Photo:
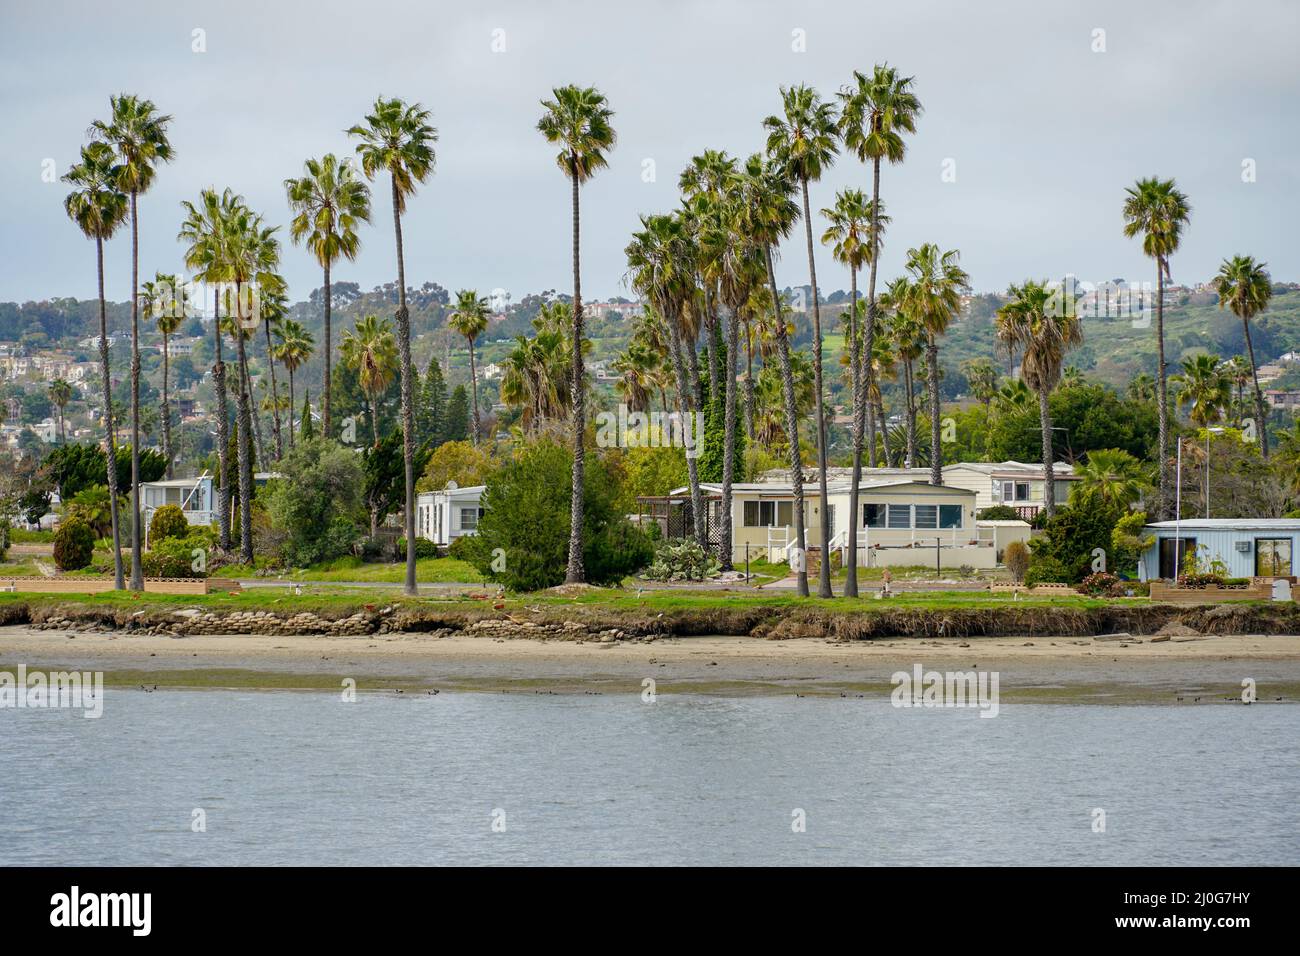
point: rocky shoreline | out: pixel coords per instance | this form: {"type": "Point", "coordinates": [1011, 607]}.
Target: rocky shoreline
{"type": "Point", "coordinates": [592, 622]}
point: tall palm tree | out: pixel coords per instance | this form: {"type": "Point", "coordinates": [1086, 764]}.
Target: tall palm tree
{"type": "Point", "coordinates": [875, 112]}
{"type": "Point", "coordinates": [983, 379]}
{"type": "Point", "coordinates": [1205, 388]}
{"type": "Point", "coordinates": [1044, 334]}
{"type": "Point", "coordinates": [767, 215]}
{"type": "Point", "coordinates": [848, 232]}
{"type": "Point", "coordinates": [470, 319]}
{"type": "Point", "coordinates": [274, 307]}
{"type": "Point", "coordinates": [1244, 287]}
{"type": "Point", "coordinates": [804, 139]}
{"type": "Point", "coordinates": [635, 367]}
{"type": "Point", "coordinates": [99, 207]}
{"type": "Point", "coordinates": [295, 348]}
{"type": "Point", "coordinates": [329, 203]}
{"type": "Point", "coordinates": [370, 350]}
{"type": "Point", "coordinates": [205, 229]}
{"type": "Point", "coordinates": [662, 269]}
{"type": "Point", "coordinates": [907, 338]}
{"type": "Point", "coordinates": [1240, 370]}
{"type": "Point", "coordinates": [164, 302]}
{"type": "Point", "coordinates": [936, 286]}
{"type": "Point", "coordinates": [398, 138]}
{"type": "Point", "coordinates": [60, 392]}
{"type": "Point", "coordinates": [253, 254]}
{"type": "Point", "coordinates": [1142, 388]}
{"type": "Point", "coordinates": [137, 132]}
{"type": "Point", "coordinates": [882, 364]}
{"type": "Point", "coordinates": [703, 185]}
{"type": "Point", "coordinates": [1157, 210]}
{"type": "Point", "coordinates": [578, 121]}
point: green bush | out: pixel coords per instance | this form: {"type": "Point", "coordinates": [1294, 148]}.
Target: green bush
{"type": "Point", "coordinates": [74, 545]}
{"type": "Point", "coordinates": [682, 561]}
{"type": "Point", "coordinates": [424, 548]}
{"type": "Point", "coordinates": [526, 523]}
{"type": "Point", "coordinates": [174, 558]}
{"type": "Point", "coordinates": [167, 522]}
{"type": "Point", "coordinates": [316, 509]}
{"type": "Point", "coordinates": [1046, 570]}
{"type": "Point", "coordinates": [997, 513]}
{"type": "Point", "coordinates": [1071, 537]}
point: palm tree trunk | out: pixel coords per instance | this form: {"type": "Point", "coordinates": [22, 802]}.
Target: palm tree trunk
{"type": "Point", "coordinates": [137, 572]}
{"type": "Point", "coordinates": [1049, 472]}
{"type": "Point", "coordinates": [473, 388]}
{"type": "Point", "coordinates": [936, 448]}
{"type": "Point", "coordinates": [275, 395]}
{"type": "Point", "coordinates": [799, 563]}
{"type": "Point", "coordinates": [291, 408]}
{"type": "Point", "coordinates": [729, 439]}
{"type": "Point", "coordinates": [884, 431]}
{"type": "Point", "coordinates": [859, 426]}
{"type": "Point", "coordinates": [223, 428]}
{"type": "Point", "coordinates": [244, 453]}
{"type": "Point", "coordinates": [167, 409]}
{"type": "Point", "coordinates": [374, 416]}
{"type": "Point", "coordinates": [686, 412]}
{"type": "Point", "coordinates": [328, 355]}
{"type": "Point", "coordinates": [749, 387]}
{"type": "Point", "coordinates": [408, 401]}
{"type": "Point", "coordinates": [252, 406]}
{"type": "Point", "coordinates": [1261, 416]}
{"type": "Point", "coordinates": [909, 394]}
{"type": "Point", "coordinates": [110, 439]}
{"type": "Point", "coordinates": [824, 566]}
{"type": "Point", "coordinates": [575, 574]}
{"type": "Point", "coordinates": [1162, 399]}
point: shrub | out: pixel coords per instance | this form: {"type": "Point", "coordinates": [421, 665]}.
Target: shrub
{"type": "Point", "coordinates": [462, 548]}
{"type": "Point", "coordinates": [173, 557]}
{"type": "Point", "coordinates": [424, 548]}
{"type": "Point", "coordinates": [681, 561]}
{"type": "Point", "coordinates": [167, 522]}
{"type": "Point", "coordinates": [1046, 570]}
{"type": "Point", "coordinates": [1200, 580]}
{"type": "Point", "coordinates": [526, 516]}
{"type": "Point", "coordinates": [317, 506]}
{"type": "Point", "coordinates": [1101, 584]}
{"type": "Point", "coordinates": [1073, 535]}
{"type": "Point", "coordinates": [1016, 558]}
{"type": "Point", "coordinates": [74, 545]}
{"type": "Point", "coordinates": [997, 513]}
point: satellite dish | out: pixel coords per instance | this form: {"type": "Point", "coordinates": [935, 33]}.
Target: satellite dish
{"type": "Point", "coordinates": [452, 486]}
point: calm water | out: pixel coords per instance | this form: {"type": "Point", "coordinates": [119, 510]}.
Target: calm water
{"type": "Point", "coordinates": [302, 778]}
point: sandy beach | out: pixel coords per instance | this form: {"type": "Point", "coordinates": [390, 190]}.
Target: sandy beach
{"type": "Point", "coordinates": [1179, 670]}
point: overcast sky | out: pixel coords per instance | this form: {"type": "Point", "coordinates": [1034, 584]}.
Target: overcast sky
{"type": "Point", "coordinates": [1042, 132]}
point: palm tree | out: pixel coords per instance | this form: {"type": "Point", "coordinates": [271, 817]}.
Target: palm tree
{"type": "Point", "coordinates": [1031, 322]}
{"type": "Point", "coordinates": [60, 392]}
{"type": "Point", "coordinates": [983, 380]}
{"type": "Point", "coordinates": [164, 300]}
{"type": "Point", "coordinates": [882, 364]}
{"type": "Point", "coordinates": [577, 120]}
{"type": "Point", "coordinates": [662, 269]}
{"type": "Point", "coordinates": [205, 229]}
{"type": "Point", "coordinates": [1157, 210]}
{"type": "Point", "coordinates": [274, 307]}
{"type": "Point", "coordinates": [704, 184]}
{"type": "Point", "coordinates": [635, 367]}
{"type": "Point", "coordinates": [1112, 476]}
{"type": "Point", "coordinates": [1244, 287]}
{"type": "Point", "coordinates": [99, 207]}
{"type": "Point", "coordinates": [137, 133]}
{"type": "Point", "coordinates": [1240, 370]}
{"type": "Point", "coordinates": [295, 348]}
{"type": "Point", "coordinates": [875, 113]}
{"type": "Point", "coordinates": [1205, 388]}
{"type": "Point", "coordinates": [328, 202]}
{"type": "Point", "coordinates": [766, 215]}
{"type": "Point", "coordinates": [370, 350]}
{"type": "Point", "coordinates": [933, 300]}
{"type": "Point", "coordinates": [470, 319]}
{"type": "Point", "coordinates": [399, 138]}
{"type": "Point", "coordinates": [804, 140]}
{"type": "Point", "coordinates": [849, 234]}
{"type": "Point", "coordinates": [1142, 388]}
{"type": "Point", "coordinates": [908, 341]}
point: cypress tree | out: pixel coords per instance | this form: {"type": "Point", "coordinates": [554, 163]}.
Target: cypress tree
{"type": "Point", "coordinates": [306, 430]}
{"type": "Point", "coordinates": [457, 415]}
{"type": "Point", "coordinates": [431, 417]}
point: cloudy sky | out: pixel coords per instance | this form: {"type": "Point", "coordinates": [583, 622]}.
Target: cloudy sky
{"type": "Point", "coordinates": [1042, 131]}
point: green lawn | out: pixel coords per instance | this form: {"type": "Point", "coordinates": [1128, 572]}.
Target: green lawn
{"type": "Point", "coordinates": [427, 570]}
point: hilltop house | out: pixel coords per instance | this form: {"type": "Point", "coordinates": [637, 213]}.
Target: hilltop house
{"type": "Point", "coordinates": [443, 516]}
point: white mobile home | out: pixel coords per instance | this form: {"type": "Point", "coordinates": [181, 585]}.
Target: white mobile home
{"type": "Point", "coordinates": [1248, 547]}
{"type": "Point", "coordinates": [192, 495]}
{"type": "Point", "coordinates": [443, 516]}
